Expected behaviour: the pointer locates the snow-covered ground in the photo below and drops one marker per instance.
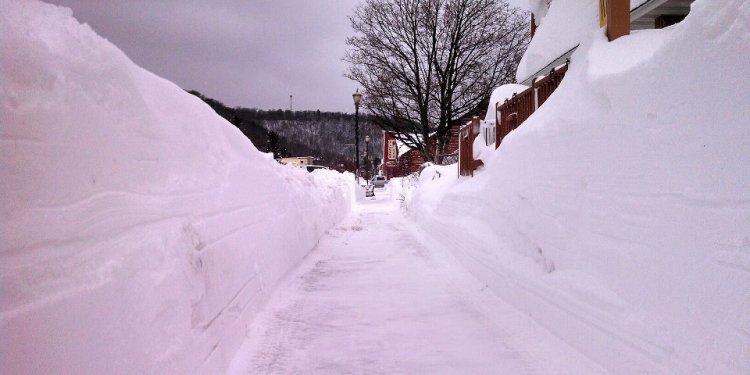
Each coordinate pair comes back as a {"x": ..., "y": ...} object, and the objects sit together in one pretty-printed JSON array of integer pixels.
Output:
[
  {"x": 377, "y": 296},
  {"x": 139, "y": 231},
  {"x": 618, "y": 214}
]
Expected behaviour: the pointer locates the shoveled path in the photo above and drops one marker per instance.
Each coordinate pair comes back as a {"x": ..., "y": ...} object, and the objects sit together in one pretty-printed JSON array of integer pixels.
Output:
[{"x": 376, "y": 297}]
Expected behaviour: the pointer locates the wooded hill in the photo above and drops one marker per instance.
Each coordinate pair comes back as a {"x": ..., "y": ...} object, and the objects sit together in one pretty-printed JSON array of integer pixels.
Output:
[{"x": 328, "y": 136}]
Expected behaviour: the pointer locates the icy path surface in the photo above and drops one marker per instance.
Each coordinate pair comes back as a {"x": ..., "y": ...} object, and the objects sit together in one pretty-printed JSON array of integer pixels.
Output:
[{"x": 376, "y": 297}]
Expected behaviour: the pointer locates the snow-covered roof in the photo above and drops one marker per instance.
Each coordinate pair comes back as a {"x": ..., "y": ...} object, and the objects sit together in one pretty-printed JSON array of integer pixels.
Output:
[
  {"x": 562, "y": 27},
  {"x": 402, "y": 148}
]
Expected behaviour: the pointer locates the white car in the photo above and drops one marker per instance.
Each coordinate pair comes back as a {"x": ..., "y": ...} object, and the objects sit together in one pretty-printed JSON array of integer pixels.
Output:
[{"x": 379, "y": 181}]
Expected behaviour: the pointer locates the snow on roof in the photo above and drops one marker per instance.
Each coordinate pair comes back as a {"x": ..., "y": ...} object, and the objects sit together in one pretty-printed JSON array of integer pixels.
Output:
[
  {"x": 402, "y": 148},
  {"x": 561, "y": 28}
]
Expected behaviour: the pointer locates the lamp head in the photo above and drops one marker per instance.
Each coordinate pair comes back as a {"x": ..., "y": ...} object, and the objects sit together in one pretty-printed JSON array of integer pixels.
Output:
[{"x": 357, "y": 98}]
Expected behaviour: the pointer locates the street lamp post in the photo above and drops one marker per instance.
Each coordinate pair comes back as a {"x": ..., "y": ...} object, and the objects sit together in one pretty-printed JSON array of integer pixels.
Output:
[
  {"x": 357, "y": 98},
  {"x": 367, "y": 159}
]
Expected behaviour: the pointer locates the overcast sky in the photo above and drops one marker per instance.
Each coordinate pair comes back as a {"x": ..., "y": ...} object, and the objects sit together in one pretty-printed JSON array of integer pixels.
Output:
[{"x": 250, "y": 53}]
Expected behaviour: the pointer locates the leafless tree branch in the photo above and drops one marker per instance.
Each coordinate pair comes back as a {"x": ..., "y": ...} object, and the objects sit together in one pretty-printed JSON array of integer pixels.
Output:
[{"x": 424, "y": 64}]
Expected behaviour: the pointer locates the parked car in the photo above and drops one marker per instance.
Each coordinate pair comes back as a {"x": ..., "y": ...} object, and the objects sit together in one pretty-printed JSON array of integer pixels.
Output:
[
  {"x": 311, "y": 168},
  {"x": 379, "y": 181}
]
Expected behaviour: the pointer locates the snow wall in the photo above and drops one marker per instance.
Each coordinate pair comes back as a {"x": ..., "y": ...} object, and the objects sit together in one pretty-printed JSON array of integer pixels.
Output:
[
  {"x": 618, "y": 215},
  {"x": 139, "y": 231}
]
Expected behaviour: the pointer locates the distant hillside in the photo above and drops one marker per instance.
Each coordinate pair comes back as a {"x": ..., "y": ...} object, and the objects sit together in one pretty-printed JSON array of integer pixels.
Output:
[{"x": 328, "y": 136}]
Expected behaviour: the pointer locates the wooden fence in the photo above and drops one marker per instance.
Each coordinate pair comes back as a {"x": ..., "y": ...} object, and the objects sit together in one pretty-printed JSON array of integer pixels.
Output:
[
  {"x": 509, "y": 115},
  {"x": 547, "y": 85},
  {"x": 466, "y": 136},
  {"x": 514, "y": 111}
]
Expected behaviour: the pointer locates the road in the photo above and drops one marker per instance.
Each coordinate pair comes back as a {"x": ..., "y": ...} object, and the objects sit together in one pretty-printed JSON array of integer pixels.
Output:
[{"x": 378, "y": 297}]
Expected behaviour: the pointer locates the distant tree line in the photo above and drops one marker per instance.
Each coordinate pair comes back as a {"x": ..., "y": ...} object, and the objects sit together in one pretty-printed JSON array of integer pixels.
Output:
[{"x": 327, "y": 136}]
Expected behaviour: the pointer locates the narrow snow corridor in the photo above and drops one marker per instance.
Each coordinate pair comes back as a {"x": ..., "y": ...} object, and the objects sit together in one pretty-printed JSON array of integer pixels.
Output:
[{"x": 376, "y": 297}]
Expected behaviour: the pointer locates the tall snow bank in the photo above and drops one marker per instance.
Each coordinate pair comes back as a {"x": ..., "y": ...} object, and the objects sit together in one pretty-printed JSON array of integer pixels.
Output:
[
  {"x": 618, "y": 215},
  {"x": 139, "y": 231}
]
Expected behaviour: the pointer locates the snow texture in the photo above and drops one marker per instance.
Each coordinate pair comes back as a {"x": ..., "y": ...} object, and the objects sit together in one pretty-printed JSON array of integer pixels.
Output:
[
  {"x": 618, "y": 214},
  {"x": 377, "y": 296},
  {"x": 139, "y": 231},
  {"x": 539, "y": 8}
]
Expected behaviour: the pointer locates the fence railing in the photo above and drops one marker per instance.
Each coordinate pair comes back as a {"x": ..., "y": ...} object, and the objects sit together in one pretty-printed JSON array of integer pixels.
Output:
[
  {"x": 514, "y": 111},
  {"x": 547, "y": 85},
  {"x": 466, "y": 136},
  {"x": 509, "y": 116}
]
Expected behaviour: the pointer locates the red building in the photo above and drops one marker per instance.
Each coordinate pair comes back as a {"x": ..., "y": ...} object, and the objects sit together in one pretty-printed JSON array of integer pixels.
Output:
[
  {"x": 390, "y": 165},
  {"x": 396, "y": 165}
]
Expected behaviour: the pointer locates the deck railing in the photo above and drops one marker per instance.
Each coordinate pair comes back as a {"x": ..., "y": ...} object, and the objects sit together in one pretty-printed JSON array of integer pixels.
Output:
[
  {"x": 509, "y": 116},
  {"x": 547, "y": 85},
  {"x": 514, "y": 111},
  {"x": 466, "y": 136}
]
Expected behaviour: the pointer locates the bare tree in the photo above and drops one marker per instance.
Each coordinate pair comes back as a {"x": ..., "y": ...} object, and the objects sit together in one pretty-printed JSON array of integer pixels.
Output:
[{"x": 425, "y": 63}]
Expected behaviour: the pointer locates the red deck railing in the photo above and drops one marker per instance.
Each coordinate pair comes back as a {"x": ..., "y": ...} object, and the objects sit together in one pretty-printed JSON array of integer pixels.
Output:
[
  {"x": 514, "y": 111},
  {"x": 466, "y": 136},
  {"x": 509, "y": 116},
  {"x": 547, "y": 85}
]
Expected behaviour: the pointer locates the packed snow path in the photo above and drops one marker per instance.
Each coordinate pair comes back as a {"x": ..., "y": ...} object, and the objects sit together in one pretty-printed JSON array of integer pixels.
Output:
[{"x": 377, "y": 297}]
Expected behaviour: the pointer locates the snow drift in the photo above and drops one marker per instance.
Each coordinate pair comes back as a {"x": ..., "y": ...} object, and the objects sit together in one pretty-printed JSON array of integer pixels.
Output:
[
  {"x": 618, "y": 214},
  {"x": 139, "y": 231}
]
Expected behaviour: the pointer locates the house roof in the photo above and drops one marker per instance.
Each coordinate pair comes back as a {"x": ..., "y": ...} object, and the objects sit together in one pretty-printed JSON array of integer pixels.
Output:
[{"x": 567, "y": 23}]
